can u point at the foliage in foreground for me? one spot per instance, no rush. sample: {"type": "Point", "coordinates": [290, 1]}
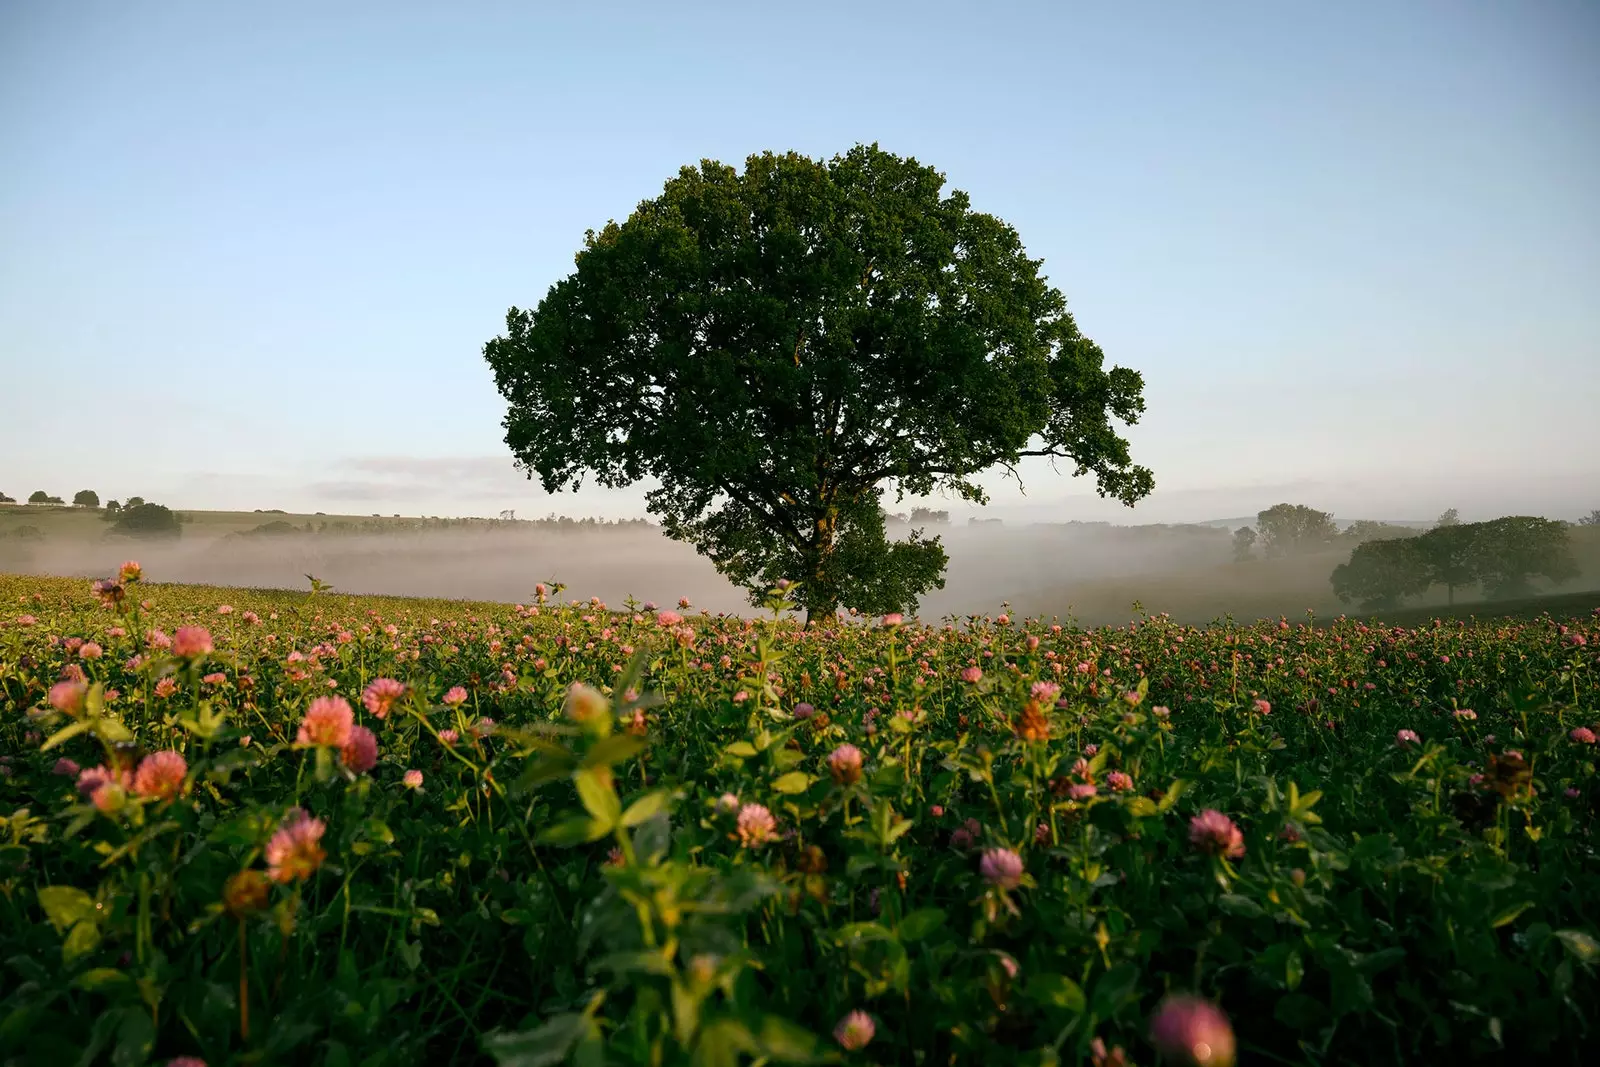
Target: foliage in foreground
{"type": "Point", "coordinates": [269, 828]}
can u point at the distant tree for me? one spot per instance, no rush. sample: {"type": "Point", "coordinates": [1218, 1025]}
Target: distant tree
{"type": "Point", "coordinates": [134, 501]}
{"type": "Point", "coordinates": [1364, 530]}
{"type": "Point", "coordinates": [1289, 529]}
{"type": "Point", "coordinates": [927, 515]}
{"type": "Point", "coordinates": [86, 498]}
{"type": "Point", "coordinates": [776, 347]}
{"type": "Point", "coordinates": [1244, 540]}
{"type": "Point", "coordinates": [1381, 574]}
{"type": "Point", "coordinates": [38, 496]}
{"type": "Point", "coordinates": [1450, 518]}
{"type": "Point", "coordinates": [1591, 519]}
{"type": "Point", "coordinates": [7, 499]}
{"type": "Point", "coordinates": [113, 506]}
{"type": "Point", "coordinates": [1508, 552]}
{"type": "Point", "coordinates": [147, 521]}
{"type": "Point", "coordinates": [1447, 550]}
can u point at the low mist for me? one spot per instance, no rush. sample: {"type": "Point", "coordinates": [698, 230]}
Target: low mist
{"type": "Point", "coordinates": [1092, 573]}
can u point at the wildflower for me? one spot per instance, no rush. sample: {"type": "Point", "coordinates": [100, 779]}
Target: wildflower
{"type": "Point", "coordinates": [804, 711]}
{"type": "Point", "coordinates": [1583, 735]}
{"type": "Point", "coordinates": [894, 618]}
{"type": "Point", "coordinates": [295, 850]}
{"type": "Point", "coordinates": [668, 618]}
{"type": "Point", "coordinates": [1466, 714]}
{"type": "Point", "coordinates": [1189, 1030]}
{"type": "Point", "coordinates": [360, 752]}
{"type": "Point", "coordinates": [971, 674]}
{"type": "Point", "coordinates": [584, 702]}
{"type": "Point", "coordinates": [166, 687]}
{"type": "Point", "coordinates": [224, 609]}
{"type": "Point", "coordinates": [160, 775]}
{"type": "Point", "coordinates": [1044, 692]}
{"type": "Point", "coordinates": [328, 721]}
{"type": "Point", "coordinates": [1082, 790]}
{"type": "Point", "coordinates": [1119, 782]}
{"type": "Point", "coordinates": [245, 892]}
{"type": "Point", "coordinates": [186, 1061]}
{"type": "Point", "coordinates": [1573, 793]}
{"type": "Point", "coordinates": [728, 803]}
{"type": "Point", "coordinates": [683, 603]}
{"type": "Point", "coordinates": [756, 825]}
{"type": "Point", "coordinates": [68, 697]}
{"type": "Point", "coordinates": [158, 639]}
{"type": "Point", "coordinates": [381, 695]}
{"type": "Point", "coordinates": [855, 1031]}
{"type": "Point", "coordinates": [1406, 737]}
{"type": "Point", "coordinates": [485, 725]}
{"type": "Point", "coordinates": [1001, 867]}
{"type": "Point", "coordinates": [215, 678]}
{"type": "Point", "coordinates": [455, 696]}
{"type": "Point", "coordinates": [1215, 834]}
{"type": "Point", "coordinates": [844, 763]}
{"type": "Point", "coordinates": [192, 642]}
{"type": "Point", "coordinates": [130, 572]}
{"type": "Point", "coordinates": [1263, 707]}
{"type": "Point", "coordinates": [90, 650]}
{"type": "Point", "coordinates": [449, 737]}
{"type": "Point", "coordinates": [65, 768]}
{"type": "Point", "coordinates": [1031, 725]}
{"type": "Point", "coordinates": [412, 779]}
{"type": "Point", "coordinates": [1099, 1057]}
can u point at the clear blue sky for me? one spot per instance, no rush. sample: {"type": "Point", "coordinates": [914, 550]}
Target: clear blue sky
{"type": "Point", "coordinates": [249, 253]}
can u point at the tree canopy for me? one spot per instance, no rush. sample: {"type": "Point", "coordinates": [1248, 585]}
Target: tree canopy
{"type": "Point", "coordinates": [1503, 556]}
{"type": "Point", "coordinates": [86, 498]}
{"type": "Point", "coordinates": [1287, 529]}
{"type": "Point", "coordinates": [776, 347]}
{"type": "Point", "coordinates": [147, 520]}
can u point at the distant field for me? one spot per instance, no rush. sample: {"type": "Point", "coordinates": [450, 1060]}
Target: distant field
{"type": "Point", "coordinates": [1090, 574]}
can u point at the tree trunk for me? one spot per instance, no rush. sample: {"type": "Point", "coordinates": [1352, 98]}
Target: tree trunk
{"type": "Point", "coordinates": [816, 570]}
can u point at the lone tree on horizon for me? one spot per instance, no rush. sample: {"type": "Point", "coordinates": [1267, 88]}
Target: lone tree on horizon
{"type": "Point", "coordinates": [86, 498]}
{"type": "Point", "coordinates": [777, 347]}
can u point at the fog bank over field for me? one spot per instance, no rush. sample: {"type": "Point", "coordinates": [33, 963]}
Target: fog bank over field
{"type": "Point", "coordinates": [1093, 571]}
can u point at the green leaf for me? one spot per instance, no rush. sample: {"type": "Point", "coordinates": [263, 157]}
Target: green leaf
{"type": "Point", "coordinates": [919, 924]}
{"type": "Point", "coordinates": [1242, 906]}
{"type": "Point", "coordinates": [646, 807]}
{"type": "Point", "coordinates": [1509, 915]}
{"type": "Point", "coordinates": [1142, 807]}
{"type": "Point", "coordinates": [599, 798]}
{"type": "Point", "coordinates": [101, 980]}
{"type": "Point", "coordinates": [573, 830]}
{"type": "Point", "coordinates": [742, 749]}
{"type": "Point", "coordinates": [544, 1046]}
{"type": "Point", "coordinates": [1584, 949]}
{"type": "Point", "coordinates": [66, 734]}
{"type": "Point", "coordinates": [613, 750]}
{"type": "Point", "coordinates": [1174, 791]}
{"type": "Point", "coordinates": [84, 939]}
{"type": "Point", "coordinates": [1058, 990]}
{"type": "Point", "coordinates": [65, 905]}
{"type": "Point", "coordinates": [793, 782]}
{"type": "Point", "coordinates": [786, 1042]}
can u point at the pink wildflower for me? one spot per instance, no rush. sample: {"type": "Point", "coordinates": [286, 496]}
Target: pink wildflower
{"type": "Point", "coordinates": [295, 850]}
{"type": "Point", "coordinates": [449, 737]}
{"type": "Point", "coordinates": [1583, 735]}
{"type": "Point", "coordinates": [68, 697]}
{"type": "Point", "coordinates": [455, 696]}
{"type": "Point", "coordinates": [1081, 790]}
{"type": "Point", "coordinates": [328, 721]}
{"type": "Point", "coordinates": [855, 1031]}
{"type": "Point", "coordinates": [166, 687]}
{"type": "Point", "coordinates": [668, 618]}
{"type": "Point", "coordinates": [844, 763]}
{"type": "Point", "coordinates": [1119, 782]}
{"type": "Point", "coordinates": [160, 775]}
{"type": "Point", "coordinates": [1001, 867]}
{"type": "Point", "coordinates": [90, 650]}
{"type": "Point", "coordinates": [360, 752]}
{"type": "Point", "coordinates": [1406, 737]}
{"type": "Point", "coordinates": [412, 779]}
{"type": "Point", "coordinates": [1215, 834]}
{"type": "Point", "coordinates": [756, 825]}
{"type": "Point", "coordinates": [130, 571]}
{"type": "Point", "coordinates": [971, 674]}
{"type": "Point", "coordinates": [192, 642]}
{"type": "Point", "coordinates": [1189, 1030]}
{"type": "Point", "coordinates": [381, 695]}
{"type": "Point", "coordinates": [66, 768]}
{"type": "Point", "coordinates": [1263, 707]}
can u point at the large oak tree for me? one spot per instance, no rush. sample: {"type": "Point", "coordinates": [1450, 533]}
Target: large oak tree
{"type": "Point", "coordinates": [777, 347]}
